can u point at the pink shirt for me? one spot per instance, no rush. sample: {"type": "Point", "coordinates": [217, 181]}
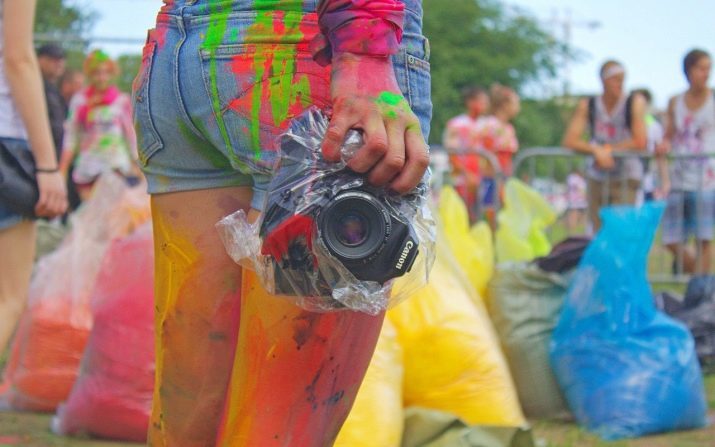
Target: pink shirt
{"type": "Point", "coordinates": [102, 137]}
{"type": "Point", "coordinates": [461, 140]}
{"type": "Point", "coordinates": [499, 138]}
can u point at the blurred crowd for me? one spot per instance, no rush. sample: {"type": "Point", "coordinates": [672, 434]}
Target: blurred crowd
{"type": "Point", "coordinates": [91, 120]}
{"type": "Point", "coordinates": [634, 154]}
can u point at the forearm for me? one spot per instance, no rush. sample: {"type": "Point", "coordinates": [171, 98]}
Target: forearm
{"type": "Point", "coordinates": [23, 74]}
{"type": "Point", "coordinates": [581, 146]}
{"type": "Point", "coordinates": [630, 144]}
{"type": "Point", "coordinates": [371, 28]}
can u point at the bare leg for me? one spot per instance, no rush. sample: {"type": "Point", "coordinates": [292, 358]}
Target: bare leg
{"type": "Point", "coordinates": [198, 291]}
{"type": "Point", "coordinates": [706, 257]}
{"type": "Point", "coordinates": [17, 245]}
{"type": "Point", "coordinates": [297, 373]}
{"type": "Point", "coordinates": [682, 254]}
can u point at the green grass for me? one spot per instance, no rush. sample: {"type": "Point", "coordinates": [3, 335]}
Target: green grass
{"type": "Point", "coordinates": [554, 434]}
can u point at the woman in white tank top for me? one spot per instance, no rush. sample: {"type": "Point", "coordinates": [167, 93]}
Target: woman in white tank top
{"type": "Point", "coordinates": [690, 182]}
{"type": "Point", "coordinates": [23, 120]}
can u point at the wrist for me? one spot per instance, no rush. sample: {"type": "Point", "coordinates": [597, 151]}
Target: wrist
{"type": "Point", "coordinates": [43, 170]}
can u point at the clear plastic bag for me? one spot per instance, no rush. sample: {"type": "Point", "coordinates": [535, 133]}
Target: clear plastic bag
{"type": "Point", "coordinates": [328, 240]}
{"type": "Point", "coordinates": [52, 334]}
{"type": "Point", "coordinates": [112, 395]}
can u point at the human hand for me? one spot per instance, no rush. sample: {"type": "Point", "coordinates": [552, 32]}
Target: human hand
{"type": "Point", "coordinates": [663, 148]}
{"type": "Point", "coordinates": [366, 96]}
{"type": "Point", "coordinates": [604, 157]}
{"type": "Point", "coordinates": [53, 194]}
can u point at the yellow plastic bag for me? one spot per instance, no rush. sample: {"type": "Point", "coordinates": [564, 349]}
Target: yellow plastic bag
{"type": "Point", "coordinates": [377, 419]}
{"type": "Point", "coordinates": [473, 249]}
{"type": "Point", "coordinates": [452, 358]}
{"type": "Point", "coordinates": [526, 214]}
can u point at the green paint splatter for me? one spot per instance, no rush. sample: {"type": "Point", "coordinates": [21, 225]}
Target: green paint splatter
{"type": "Point", "coordinates": [392, 104]}
{"type": "Point", "coordinates": [202, 147]}
{"type": "Point", "coordinates": [214, 37]}
{"type": "Point", "coordinates": [390, 98]}
{"type": "Point", "coordinates": [234, 35]}
{"type": "Point", "coordinates": [283, 88]}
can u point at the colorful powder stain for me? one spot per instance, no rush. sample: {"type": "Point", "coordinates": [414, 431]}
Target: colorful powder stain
{"type": "Point", "coordinates": [275, 75]}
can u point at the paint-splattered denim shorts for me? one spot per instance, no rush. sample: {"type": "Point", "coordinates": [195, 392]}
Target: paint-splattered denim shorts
{"type": "Point", "coordinates": [220, 80]}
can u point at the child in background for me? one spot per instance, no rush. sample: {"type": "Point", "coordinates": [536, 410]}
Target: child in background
{"type": "Point", "coordinates": [462, 143]}
{"type": "Point", "coordinates": [496, 134]}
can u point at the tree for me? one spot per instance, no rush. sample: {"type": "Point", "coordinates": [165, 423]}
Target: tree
{"type": "Point", "coordinates": [129, 65]}
{"type": "Point", "coordinates": [62, 19]}
{"type": "Point", "coordinates": [481, 42]}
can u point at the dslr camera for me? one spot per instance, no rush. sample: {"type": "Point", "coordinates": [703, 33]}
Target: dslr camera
{"type": "Point", "coordinates": [359, 226]}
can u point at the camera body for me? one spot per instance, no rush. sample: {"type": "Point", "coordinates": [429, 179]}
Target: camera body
{"type": "Point", "coordinates": [356, 224]}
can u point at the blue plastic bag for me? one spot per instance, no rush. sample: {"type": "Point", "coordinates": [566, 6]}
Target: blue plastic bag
{"type": "Point", "coordinates": [626, 368]}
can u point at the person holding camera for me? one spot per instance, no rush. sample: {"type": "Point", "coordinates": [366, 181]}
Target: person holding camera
{"type": "Point", "coordinates": [220, 81]}
{"type": "Point", "coordinates": [24, 126]}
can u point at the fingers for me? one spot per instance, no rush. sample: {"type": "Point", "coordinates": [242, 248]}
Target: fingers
{"type": "Point", "coordinates": [394, 151]}
{"type": "Point", "coordinates": [41, 208]}
{"type": "Point", "coordinates": [53, 197]}
{"type": "Point", "coordinates": [394, 159]}
{"type": "Point", "coordinates": [342, 120]}
{"type": "Point", "coordinates": [417, 161]}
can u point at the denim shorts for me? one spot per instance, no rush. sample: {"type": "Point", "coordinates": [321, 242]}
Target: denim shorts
{"type": "Point", "coordinates": [8, 217]}
{"type": "Point", "coordinates": [689, 213]}
{"type": "Point", "coordinates": [220, 80]}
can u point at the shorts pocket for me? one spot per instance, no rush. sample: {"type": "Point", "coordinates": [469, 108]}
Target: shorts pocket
{"type": "Point", "coordinates": [148, 139]}
{"type": "Point", "coordinates": [255, 90]}
{"type": "Point", "coordinates": [412, 71]}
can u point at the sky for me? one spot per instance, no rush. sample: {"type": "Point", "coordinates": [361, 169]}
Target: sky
{"type": "Point", "coordinates": [649, 37]}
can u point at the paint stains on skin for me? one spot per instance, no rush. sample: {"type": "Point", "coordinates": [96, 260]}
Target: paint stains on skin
{"type": "Point", "coordinates": [392, 105]}
{"type": "Point", "coordinates": [304, 328]}
{"type": "Point", "coordinates": [284, 396]}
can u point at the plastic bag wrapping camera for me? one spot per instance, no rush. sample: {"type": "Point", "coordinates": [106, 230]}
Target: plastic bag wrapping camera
{"type": "Point", "coordinates": [326, 238]}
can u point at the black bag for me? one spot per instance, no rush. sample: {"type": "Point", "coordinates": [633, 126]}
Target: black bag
{"type": "Point", "coordinates": [18, 185]}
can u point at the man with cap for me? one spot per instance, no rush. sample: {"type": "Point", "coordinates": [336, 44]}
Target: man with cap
{"type": "Point", "coordinates": [51, 58]}
{"type": "Point", "coordinates": [615, 123]}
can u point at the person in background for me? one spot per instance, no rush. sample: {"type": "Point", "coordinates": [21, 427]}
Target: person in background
{"type": "Point", "coordinates": [461, 142]}
{"type": "Point", "coordinates": [71, 83]}
{"type": "Point", "coordinates": [689, 184]}
{"type": "Point", "coordinates": [496, 134]}
{"type": "Point", "coordinates": [615, 122]}
{"type": "Point", "coordinates": [23, 120]}
{"type": "Point", "coordinates": [51, 58]}
{"type": "Point", "coordinates": [99, 135]}
{"type": "Point", "coordinates": [654, 131]}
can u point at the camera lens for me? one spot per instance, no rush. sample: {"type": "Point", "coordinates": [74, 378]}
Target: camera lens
{"type": "Point", "coordinates": [352, 229]}
{"type": "Point", "coordinates": [354, 226]}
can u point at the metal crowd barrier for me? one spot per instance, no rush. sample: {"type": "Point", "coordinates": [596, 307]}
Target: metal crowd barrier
{"type": "Point", "coordinates": [547, 169]}
{"type": "Point", "coordinates": [441, 176]}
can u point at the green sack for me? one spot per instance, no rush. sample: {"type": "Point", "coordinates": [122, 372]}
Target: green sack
{"type": "Point", "coordinates": [524, 303]}
{"type": "Point", "coordinates": [430, 428]}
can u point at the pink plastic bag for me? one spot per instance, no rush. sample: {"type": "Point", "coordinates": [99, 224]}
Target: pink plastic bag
{"type": "Point", "coordinates": [52, 333]}
{"type": "Point", "coordinates": [112, 395]}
